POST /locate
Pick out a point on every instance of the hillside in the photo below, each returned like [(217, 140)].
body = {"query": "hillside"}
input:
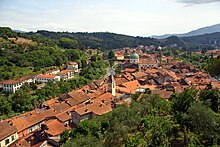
[(207, 39), (200, 31), (105, 40), (23, 54)]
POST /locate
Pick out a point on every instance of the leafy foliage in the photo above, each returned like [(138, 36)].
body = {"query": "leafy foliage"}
[(151, 122)]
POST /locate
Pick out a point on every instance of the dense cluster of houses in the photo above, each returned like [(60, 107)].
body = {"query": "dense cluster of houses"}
[(53, 75), (140, 72)]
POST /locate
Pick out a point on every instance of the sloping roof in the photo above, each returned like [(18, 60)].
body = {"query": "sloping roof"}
[(60, 107), (55, 127), (23, 123), (216, 85), (65, 71), (71, 63), (6, 130), (10, 82), (19, 80), (129, 70), (97, 108), (106, 97), (46, 76), (64, 116), (78, 96), (128, 87), (71, 102), (148, 61), (139, 75), (120, 80)]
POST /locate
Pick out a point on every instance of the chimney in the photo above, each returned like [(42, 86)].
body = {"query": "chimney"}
[(11, 123)]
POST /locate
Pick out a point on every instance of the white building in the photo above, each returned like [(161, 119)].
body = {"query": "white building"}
[(45, 78), (14, 85), (66, 74), (73, 66)]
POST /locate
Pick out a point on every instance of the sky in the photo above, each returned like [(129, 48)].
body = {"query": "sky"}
[(130, 17)]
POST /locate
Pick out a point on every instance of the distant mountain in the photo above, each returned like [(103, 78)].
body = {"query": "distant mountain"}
[(200, 31), (19, 31)]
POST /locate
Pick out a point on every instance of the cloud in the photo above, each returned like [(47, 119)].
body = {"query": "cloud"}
[(197, 1)]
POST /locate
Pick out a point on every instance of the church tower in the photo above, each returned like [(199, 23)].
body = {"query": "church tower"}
[(112, 84), (160, 56)]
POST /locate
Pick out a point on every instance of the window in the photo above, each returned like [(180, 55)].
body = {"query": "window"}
[(12, 137), (6, 141), (30, 130)]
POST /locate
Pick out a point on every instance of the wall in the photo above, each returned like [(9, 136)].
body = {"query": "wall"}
[(2, 143)]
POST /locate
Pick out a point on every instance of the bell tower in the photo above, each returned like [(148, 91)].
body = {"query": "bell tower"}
[(112, 83)]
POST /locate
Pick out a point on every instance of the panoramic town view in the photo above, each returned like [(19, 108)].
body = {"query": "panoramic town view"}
[(94, 73)]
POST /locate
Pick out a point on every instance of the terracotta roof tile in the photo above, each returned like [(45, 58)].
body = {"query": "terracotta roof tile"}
[(65, 72), (79, 96), (46, 76), (55, 127), (128, 87), (60, 107), (64, 116), (97, 108), (7, 129), (23, 123)]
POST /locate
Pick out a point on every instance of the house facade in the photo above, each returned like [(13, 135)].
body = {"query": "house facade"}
[(66, 74), (45, 78), (73, 66), (8, 134), (12, 85)]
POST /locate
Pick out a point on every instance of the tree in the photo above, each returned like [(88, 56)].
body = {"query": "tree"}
[(6, 105), (68, 43), (157, 130), (211, 97), (111, 54), (21, 101), (204, 121), (182, 101)]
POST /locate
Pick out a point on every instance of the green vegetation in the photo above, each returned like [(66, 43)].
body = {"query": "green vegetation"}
[(153, 122), (203, 61), (22, 54), (206, 39), (213, 66)]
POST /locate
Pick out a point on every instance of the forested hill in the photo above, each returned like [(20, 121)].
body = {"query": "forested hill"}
[(23, 54), (106, 40), (207, 39)]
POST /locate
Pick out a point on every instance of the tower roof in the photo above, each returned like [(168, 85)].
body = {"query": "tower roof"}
[(134, 55)]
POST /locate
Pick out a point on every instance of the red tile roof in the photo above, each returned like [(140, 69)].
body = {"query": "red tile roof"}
[(97, 108), (46, 76), (65, 71), (72, 63), (55, 127), (64, 116), (6, 129), (23, 123)]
